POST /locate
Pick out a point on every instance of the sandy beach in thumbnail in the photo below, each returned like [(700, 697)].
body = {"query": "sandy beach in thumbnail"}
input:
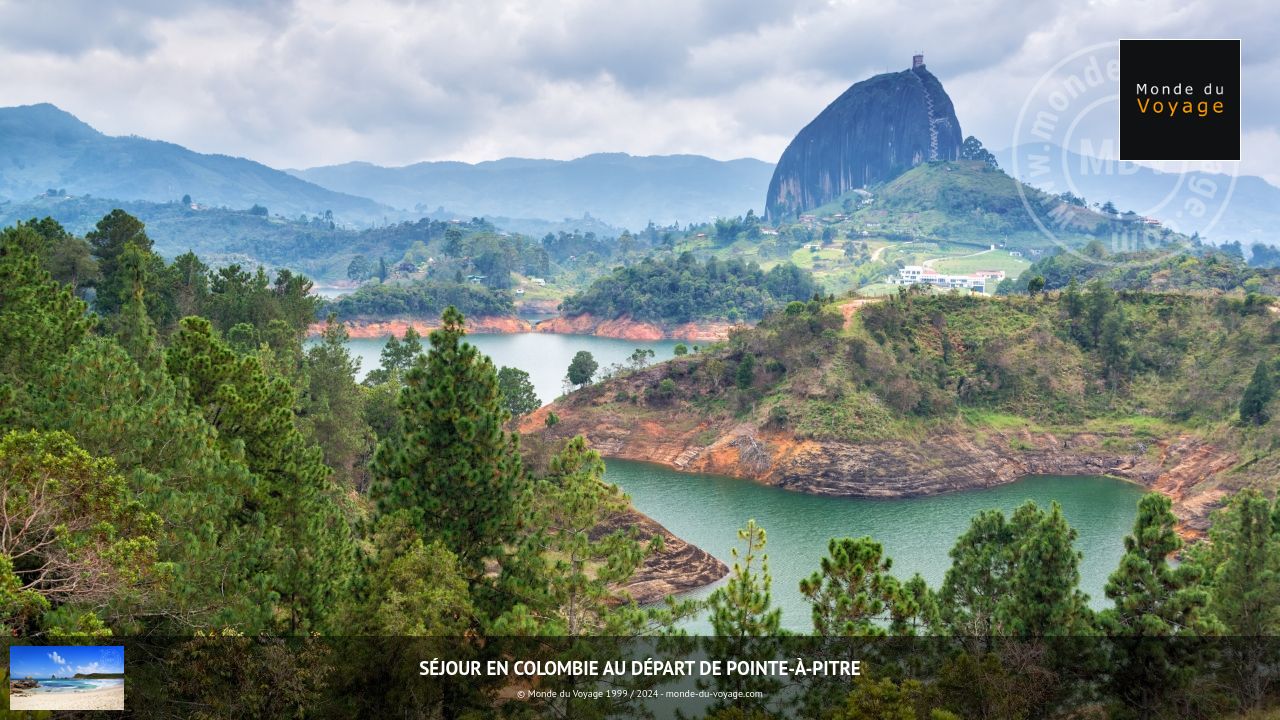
[(107, 698)]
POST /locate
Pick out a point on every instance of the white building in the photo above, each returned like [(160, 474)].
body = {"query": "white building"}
[(981, 281)]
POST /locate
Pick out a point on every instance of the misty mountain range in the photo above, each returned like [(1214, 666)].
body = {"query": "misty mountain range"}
[(623, 190), (1252, 213), (43, 148)]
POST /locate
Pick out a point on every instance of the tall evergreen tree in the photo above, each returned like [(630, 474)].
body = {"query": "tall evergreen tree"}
[(743, 606), (109, 240), (133, 325), (1244, 559), (582, 564), (745, 623), (210, 544), (1153, 598), (1043, 597), (1257, 395), (1153, 603), (398, 355), (452, 467), (408, 588), (40, 320), (1015, 576), (311, 567), (331, 406), (66, 257), (982, 564), (854, 594), (1242, 566)]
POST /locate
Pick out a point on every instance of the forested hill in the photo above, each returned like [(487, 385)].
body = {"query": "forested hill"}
[(1198, 267), (321, 248), (923, 393), (175, 458), (1066, 357), (422, 299), (683, 289)]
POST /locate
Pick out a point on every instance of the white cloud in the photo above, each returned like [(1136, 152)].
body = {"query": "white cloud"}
[(321, 81), (56, 658), (93, 667)]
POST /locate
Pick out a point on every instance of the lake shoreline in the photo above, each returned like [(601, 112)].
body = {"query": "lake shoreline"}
[(584, 325), (943, 461)]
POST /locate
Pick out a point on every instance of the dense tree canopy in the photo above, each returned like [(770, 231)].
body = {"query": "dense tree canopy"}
[(424, 298), (683, 289), (174, 459)]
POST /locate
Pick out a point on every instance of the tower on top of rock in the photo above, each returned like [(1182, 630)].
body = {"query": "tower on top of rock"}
[(917, 61)]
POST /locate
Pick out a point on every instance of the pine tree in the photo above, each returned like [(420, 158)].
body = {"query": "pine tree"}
[(1071, 300), (452, 467), (1152, 603), (109, 240), (854, 594), (312, 565), (1153, 599), (1246, 575), (398, 356), (982, 564), (1242, 566), (744, 622), (1015, 576), (1098, 302), (40, 321), (745, 374), (408, 588), (743, 606), (1257, 395), (582, 568), (332, 409), (133, 326), (1043, 598), (212, 546)]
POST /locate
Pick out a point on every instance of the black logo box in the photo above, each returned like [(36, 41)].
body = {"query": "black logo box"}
[(1180, 66)]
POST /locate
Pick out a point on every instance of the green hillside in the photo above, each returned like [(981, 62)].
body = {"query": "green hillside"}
[(1197, 268), (971, 202)]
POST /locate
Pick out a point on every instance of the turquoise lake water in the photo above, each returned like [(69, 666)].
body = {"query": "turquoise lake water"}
[(708, 510), (917, 533)]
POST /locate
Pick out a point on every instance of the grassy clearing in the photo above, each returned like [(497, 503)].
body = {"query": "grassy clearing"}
[(990, 260), (996, 420)]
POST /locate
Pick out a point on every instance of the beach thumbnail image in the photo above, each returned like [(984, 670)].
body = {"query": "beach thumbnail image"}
[(66, 677)]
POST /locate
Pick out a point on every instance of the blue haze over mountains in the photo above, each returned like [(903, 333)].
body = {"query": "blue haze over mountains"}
[(620, 189), (43, 147), (1252, 214)]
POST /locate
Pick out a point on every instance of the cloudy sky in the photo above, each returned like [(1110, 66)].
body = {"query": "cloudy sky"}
[(298, 83)]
